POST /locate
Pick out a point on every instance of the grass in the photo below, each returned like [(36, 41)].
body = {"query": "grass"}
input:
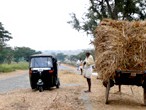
[(14, 66)]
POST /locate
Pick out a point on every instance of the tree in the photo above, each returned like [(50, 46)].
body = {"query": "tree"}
[(60, 56), (4, 36), (6, 55), (81, 55), (23, 53), (114, 9), (9, 54)]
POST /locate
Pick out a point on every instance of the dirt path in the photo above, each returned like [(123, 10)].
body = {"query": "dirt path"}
[(131, 97), (71, 96), (85, 98)]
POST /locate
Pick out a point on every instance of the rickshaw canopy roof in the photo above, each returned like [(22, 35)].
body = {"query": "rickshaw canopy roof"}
[(42, 60), (41, 55)]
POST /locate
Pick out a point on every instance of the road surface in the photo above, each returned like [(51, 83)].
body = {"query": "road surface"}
[(21, 80)]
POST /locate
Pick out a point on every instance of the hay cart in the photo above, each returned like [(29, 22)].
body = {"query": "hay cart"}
[(127, 77)]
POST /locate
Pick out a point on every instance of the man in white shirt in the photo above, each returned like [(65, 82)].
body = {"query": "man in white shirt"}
[(88, 63)]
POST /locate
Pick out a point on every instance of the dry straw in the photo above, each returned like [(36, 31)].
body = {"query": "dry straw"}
[(120, 45)]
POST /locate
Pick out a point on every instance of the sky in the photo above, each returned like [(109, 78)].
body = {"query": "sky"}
[(42, 24)]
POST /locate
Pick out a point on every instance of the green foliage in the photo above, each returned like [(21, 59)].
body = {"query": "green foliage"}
[(75, 22), (4, 36), (81, 55), (60, 56), (6, 55), (114, 9), (23, 53), (5, 52), (14, 66)]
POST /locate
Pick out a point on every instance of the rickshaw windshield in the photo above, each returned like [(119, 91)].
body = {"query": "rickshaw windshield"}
[(41, 62)]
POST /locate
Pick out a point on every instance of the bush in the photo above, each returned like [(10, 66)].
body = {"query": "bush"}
[(14, 66)]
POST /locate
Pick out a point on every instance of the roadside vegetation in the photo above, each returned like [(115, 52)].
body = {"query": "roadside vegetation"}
[(12, 59), (4, 68), (97, 10)]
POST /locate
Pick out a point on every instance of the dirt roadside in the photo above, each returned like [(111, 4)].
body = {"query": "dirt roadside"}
[(12, 74), (71, 96)]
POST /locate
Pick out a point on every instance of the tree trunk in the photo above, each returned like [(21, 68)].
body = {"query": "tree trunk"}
[(109, 9), (94, 9), (115, 11)]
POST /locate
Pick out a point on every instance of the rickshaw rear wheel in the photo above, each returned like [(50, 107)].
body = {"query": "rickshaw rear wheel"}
[(58, 83)]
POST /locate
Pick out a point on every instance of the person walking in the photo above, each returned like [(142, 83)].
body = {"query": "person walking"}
[(87, 72), (78, 64), (81, 66)]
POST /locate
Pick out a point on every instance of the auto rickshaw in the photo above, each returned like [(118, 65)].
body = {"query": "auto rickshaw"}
[(43, 72)]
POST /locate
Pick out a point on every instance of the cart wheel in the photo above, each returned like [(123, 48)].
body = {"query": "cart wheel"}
[(40, 88), (107, 92), (144, 95)]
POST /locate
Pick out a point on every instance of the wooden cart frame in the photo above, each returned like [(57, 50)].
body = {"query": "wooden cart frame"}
[(128, 77)]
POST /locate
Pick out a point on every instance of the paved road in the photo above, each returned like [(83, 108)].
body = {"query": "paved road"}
[(21, 81), (16, 82)]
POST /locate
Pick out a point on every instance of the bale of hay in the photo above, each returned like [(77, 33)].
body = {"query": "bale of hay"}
[(119, 45)]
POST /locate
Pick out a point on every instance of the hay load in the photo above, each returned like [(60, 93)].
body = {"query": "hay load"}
[(120, 45)]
